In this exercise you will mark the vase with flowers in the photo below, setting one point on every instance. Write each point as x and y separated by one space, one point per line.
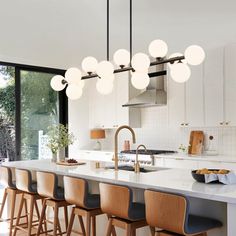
59 138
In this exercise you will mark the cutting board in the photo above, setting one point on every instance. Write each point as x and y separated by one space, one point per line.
196 142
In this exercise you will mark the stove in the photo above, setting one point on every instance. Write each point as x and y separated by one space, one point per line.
146 158
149 152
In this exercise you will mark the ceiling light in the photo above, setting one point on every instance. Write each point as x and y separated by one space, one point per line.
158 48
140 62
57 82
140 80
104 86
194 55
122 57
180 72
89 64
73 91
105 68
73 75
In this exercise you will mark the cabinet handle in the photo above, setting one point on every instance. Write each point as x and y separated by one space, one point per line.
221 123
227 122
182 124
186 124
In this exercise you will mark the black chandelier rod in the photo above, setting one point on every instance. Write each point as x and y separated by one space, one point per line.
129 68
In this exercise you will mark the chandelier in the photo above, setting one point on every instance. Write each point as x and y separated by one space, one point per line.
138 66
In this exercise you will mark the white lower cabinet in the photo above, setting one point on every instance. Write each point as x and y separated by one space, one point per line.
180 163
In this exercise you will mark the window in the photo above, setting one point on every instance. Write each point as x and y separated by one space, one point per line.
28 106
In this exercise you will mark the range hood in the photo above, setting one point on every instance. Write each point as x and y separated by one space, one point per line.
154 95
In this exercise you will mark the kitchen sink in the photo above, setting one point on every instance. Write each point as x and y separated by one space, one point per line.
142 169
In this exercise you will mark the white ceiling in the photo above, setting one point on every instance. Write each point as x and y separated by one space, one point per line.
59 33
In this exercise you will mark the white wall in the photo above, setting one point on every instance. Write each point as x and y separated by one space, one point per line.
60 33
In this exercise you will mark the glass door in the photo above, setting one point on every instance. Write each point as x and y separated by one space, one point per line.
39 109
7 113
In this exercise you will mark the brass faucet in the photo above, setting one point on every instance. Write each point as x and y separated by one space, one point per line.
137 165
116 142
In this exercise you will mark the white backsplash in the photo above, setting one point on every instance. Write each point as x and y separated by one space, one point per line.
157 134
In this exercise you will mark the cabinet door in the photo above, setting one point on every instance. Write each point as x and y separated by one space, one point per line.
180 164
213 86
194 97
176 102
230 84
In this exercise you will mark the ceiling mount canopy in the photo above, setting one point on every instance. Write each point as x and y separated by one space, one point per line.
137 64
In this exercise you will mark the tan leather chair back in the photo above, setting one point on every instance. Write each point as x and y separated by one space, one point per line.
166 211
115 200
4 176
75 190
22 179
46 184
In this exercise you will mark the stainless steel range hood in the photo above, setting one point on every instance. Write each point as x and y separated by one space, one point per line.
155 94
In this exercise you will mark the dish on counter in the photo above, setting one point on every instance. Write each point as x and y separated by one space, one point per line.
199 175
70 162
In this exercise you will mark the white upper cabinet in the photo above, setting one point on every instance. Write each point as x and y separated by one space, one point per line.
230 85
185 100
213 87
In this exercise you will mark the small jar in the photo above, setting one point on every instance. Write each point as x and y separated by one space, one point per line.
126 146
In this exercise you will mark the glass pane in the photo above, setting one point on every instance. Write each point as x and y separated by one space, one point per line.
7 112
39 110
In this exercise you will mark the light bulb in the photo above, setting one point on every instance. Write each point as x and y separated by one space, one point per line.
80 83
105 68
158 48
89 64
194 55
57 83
73 91
180 72
140 62
72 75
104 86
177 54
121 57
140 80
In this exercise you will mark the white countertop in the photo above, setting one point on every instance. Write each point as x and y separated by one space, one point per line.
173 180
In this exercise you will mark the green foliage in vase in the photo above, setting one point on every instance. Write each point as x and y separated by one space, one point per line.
59 137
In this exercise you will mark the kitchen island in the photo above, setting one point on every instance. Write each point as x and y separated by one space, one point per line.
214 200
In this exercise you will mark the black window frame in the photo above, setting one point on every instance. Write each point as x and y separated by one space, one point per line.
63 100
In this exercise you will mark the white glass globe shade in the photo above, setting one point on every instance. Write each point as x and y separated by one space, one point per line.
73 91
89 64
121 57
105 68
72 75
140 62
180 72
158 48
177 54
80 83
56 83
109 77
194 55
104 86
140 80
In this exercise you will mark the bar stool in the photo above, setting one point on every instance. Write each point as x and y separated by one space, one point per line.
25 183
54 197
86 204
170 213
117 203
10 192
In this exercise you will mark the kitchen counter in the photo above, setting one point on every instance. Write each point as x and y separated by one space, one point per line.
172 180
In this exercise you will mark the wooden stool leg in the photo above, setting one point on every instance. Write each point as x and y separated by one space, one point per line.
109 227
66 216
19 214
93 225
55 221
3 202
42 217
26 212
82 225
31 214
128 230
133 232
113 230
88 224
13 203
72 217
152 229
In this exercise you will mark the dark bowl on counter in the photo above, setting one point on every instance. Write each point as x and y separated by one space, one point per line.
201 177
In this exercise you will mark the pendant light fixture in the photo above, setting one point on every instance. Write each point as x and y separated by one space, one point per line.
138 65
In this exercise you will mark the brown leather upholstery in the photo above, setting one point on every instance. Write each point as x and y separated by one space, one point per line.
115 200
165 211
75 190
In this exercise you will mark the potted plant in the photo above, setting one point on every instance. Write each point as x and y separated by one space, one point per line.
58 139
